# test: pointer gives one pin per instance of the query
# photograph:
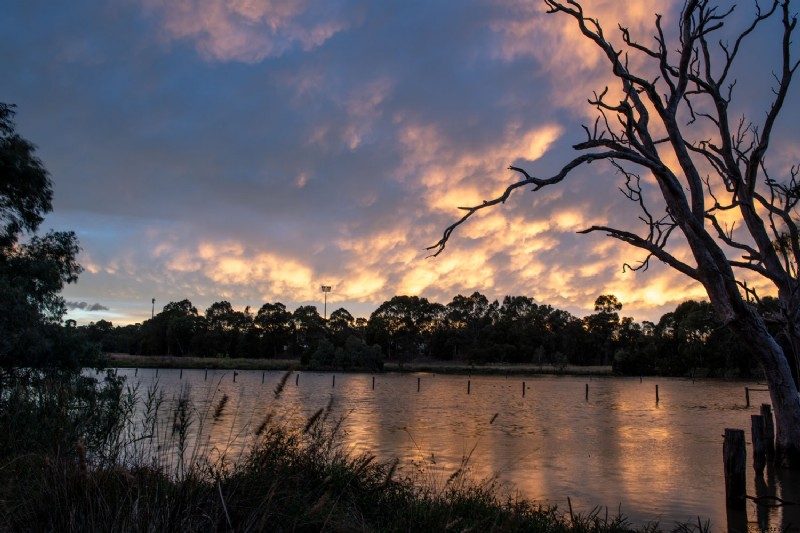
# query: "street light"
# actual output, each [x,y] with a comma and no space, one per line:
[153,311]
[325,290]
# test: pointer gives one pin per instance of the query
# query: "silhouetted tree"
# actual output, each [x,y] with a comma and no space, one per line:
[340,325]
[33,273]
[675,130]
[404,326]
[275,325]
[309,328]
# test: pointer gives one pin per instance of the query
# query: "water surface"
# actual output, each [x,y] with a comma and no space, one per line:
[657,461]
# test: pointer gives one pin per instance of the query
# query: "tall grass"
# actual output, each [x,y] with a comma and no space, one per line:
[130,460]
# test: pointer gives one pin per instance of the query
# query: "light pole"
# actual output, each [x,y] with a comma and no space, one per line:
[153,311]
[325,290]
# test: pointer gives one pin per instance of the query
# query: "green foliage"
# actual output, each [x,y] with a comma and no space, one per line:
[26,191]
[33,269]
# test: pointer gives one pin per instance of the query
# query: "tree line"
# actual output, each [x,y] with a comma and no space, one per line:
[472,329]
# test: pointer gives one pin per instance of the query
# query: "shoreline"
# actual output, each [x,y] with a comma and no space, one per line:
[433,367]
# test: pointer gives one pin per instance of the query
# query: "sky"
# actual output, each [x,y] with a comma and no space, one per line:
[254,150]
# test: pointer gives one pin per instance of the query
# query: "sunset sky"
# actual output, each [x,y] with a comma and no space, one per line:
[253,150]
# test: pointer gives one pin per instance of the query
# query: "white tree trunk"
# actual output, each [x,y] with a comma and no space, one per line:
[783,392]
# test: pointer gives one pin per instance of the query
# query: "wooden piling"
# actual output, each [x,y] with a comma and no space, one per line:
[747,396]
[587,392]
[759,451]
[206,379]
[373,382]
[333,382]
[769,432]
[181,375]
[734,458]
[656,392]
[523,389]
[296,380]
[262,377]
[418,380]
[469,383]
[234,376]
[136,373]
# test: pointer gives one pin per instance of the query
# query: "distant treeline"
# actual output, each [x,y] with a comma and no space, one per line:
[686,341]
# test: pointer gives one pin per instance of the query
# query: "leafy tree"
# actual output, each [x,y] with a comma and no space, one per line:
[182,324]
[470,318]
[309,329]
[603,327]
[33,269]
[341,326]
[677,133]
[227,330]
[274,323]
[405,325]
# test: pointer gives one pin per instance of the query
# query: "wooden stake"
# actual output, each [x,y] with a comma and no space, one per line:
[656,393]
[769,432]
[206,375]
[296,380]
[587,392]
[418,380]
[373,382]
[734,457]
[333,383]
[523,389]
[747,396]
[262,378]
[468,386]
[759,451]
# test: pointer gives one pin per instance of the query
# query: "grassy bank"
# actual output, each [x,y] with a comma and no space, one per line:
[433,367]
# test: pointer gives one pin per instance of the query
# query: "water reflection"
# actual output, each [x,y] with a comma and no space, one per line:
[661,461]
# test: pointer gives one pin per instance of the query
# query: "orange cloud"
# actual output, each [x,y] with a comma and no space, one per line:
[242,30]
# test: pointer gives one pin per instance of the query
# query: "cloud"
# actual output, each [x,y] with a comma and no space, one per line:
[83,306]
[248,30]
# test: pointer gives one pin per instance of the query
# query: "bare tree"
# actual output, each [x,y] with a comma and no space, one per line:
[675,107]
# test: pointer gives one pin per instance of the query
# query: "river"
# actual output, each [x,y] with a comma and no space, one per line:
[538,436]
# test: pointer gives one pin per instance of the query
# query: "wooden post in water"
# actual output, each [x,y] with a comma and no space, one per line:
[136,373]
[206,379]
[656,392]
[734,458]
[747,396]
[181,376]
[333,383]
[418,379]
[523,389]
[373,382]
[759,451]
[296,380]
[468,386]
[234,376]
[587,392]
[262,377]
[769,432]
